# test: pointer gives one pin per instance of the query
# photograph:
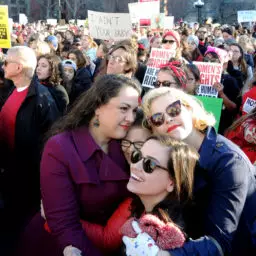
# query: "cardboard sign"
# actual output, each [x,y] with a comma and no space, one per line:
[168,22]
[5,36]
[249,105]
[157,58]
[214,106]
[210,73]
[246,16]
[108,26]
[147,9]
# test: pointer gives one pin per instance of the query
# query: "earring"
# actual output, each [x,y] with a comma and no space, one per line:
[96,122]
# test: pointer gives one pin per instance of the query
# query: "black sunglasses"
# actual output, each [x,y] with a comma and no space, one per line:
[168,41]
[173,110]
[128,143]
[157,84]
[148,164]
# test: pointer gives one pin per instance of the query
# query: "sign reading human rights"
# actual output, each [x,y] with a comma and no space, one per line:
[5,36]
[210,73]
[157,58]
[109,26]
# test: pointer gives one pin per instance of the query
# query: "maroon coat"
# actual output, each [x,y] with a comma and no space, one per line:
[78,181]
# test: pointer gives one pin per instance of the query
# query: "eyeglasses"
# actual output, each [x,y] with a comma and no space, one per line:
[6,62]
[157,84]
[148,164]
[128,143]
[164,41]
[173,110]
[117,59]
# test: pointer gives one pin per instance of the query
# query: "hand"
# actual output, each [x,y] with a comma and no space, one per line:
[42,210]
[219,87]
[71,251]
[143,244]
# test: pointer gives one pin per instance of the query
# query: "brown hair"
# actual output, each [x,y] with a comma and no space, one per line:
[54,63]
[181,164]
[81,60]
[82,112]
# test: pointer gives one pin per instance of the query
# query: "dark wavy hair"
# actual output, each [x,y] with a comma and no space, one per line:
[81,60]
[54,62]
[101,92]
[181,164]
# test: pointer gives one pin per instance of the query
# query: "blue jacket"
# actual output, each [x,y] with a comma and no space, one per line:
[222,220]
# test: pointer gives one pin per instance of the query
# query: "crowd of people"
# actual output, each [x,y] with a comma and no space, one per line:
[93,163]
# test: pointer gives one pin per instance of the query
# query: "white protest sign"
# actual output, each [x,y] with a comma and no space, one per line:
[23,19]
[10,22]
[52,22]
[249,105]
[157,58]
[107,26]
[246,16]
[168,22]
[80,22]
[210,73]
[135,11]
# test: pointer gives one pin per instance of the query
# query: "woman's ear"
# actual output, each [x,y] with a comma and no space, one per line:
[170,185]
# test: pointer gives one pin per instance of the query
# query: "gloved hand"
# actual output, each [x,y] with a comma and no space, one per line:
[143,244]
[71,251]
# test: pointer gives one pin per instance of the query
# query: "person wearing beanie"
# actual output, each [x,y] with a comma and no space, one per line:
[53,42]
[193,43]
[171,41]
[69,69]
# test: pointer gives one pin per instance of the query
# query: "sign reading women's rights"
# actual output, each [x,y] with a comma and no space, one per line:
[210,73]
[109,26]
[5,36]
[157,58]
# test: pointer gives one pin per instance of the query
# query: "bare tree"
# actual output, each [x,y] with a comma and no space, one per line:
[47,7]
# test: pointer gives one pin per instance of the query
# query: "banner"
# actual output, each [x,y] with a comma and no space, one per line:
[157,58]
[214,106]
[5,36]
[52,22]
[246,16]
[168,22]
[210,73]
[109,26]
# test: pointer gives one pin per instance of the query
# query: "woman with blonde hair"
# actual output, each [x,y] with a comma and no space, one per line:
[222,217]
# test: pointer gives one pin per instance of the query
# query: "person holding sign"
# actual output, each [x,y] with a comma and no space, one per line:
[222,219]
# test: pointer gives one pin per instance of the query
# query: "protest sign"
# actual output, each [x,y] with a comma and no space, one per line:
[23,19]
[147,9]
[249,105]
[210,73]
[168,22]
[5,36]
[157,21]
[246,16]
[109,26]
[52,22]
[10,21]
[80,22]
[214,106]
[135,11]
[157,58]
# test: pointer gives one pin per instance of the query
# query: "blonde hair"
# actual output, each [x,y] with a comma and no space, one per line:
[25,56]
[201,118]
[246,43]
[42,48]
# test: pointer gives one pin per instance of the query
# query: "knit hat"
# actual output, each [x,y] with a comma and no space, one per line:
[193,39]
[174,34]
[53,40]
[219,41]
[69,63]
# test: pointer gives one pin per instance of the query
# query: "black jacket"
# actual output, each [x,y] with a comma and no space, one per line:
[19,177]
[82,83]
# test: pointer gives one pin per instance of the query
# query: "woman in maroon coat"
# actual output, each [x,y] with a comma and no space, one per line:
[83,171]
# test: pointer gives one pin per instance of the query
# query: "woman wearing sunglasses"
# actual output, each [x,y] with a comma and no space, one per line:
[171,41]
[161,178]
[223,217]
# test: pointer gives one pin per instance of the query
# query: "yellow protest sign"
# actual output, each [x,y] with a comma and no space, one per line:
[5,37]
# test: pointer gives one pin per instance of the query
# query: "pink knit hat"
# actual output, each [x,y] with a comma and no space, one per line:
[174,34]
